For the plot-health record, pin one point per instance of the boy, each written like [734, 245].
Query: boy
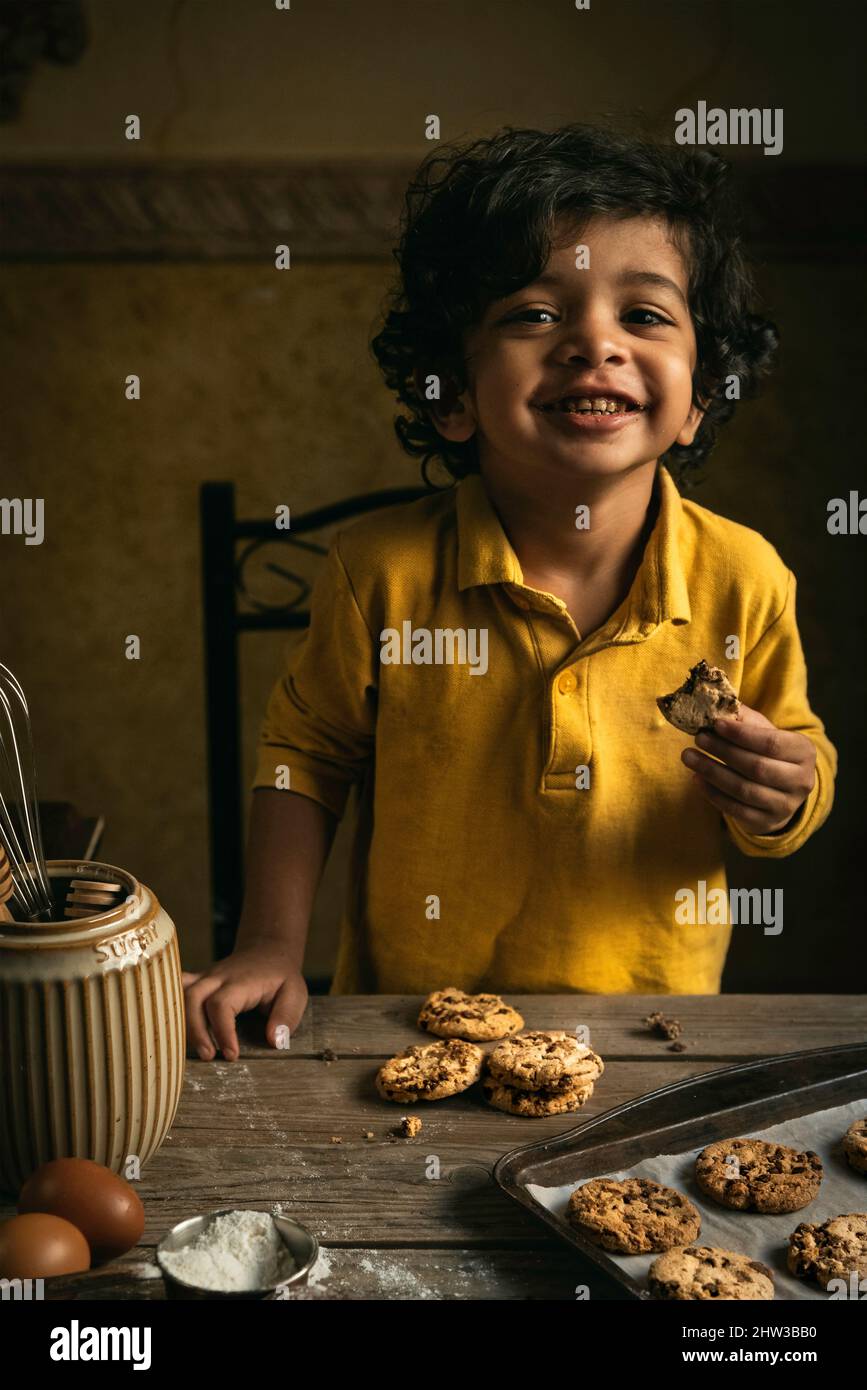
[570, 329]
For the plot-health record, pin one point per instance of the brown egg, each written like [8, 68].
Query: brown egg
[36, 1246]
[102, 1205]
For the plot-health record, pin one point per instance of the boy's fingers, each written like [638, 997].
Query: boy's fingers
[740, 789]
[222, 1009]
[750, 816]
[757, 734]
[768, 772]
[198, 1033]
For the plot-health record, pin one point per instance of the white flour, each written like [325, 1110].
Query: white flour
[234, 1254]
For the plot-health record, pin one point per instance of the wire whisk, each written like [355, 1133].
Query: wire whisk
[20, 831]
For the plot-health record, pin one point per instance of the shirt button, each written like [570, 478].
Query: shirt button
[566, 683]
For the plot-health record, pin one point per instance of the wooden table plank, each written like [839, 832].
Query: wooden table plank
[731, 1026]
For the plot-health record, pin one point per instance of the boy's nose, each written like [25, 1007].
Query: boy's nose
[593, 342]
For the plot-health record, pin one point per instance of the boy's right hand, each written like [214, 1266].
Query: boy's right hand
[254, 976]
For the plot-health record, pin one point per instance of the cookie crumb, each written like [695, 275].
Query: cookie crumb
[409, 1126]
[368, 1134]
[335, 1139]
[330, 1056]
[664, 1027]
[677, 1047]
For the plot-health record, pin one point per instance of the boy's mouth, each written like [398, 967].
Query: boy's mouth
[593, 405]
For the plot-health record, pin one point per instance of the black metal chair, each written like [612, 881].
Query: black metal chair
[223, 587]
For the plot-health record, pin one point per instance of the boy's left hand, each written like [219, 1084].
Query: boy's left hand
[766, 773]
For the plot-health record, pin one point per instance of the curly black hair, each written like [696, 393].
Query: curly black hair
[482, 227]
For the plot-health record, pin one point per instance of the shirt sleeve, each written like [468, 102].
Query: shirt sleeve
[775, 683]
[321, 716]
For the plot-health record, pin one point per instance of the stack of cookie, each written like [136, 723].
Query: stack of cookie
[540, 1073]
[446, 1068]
[532, 1074]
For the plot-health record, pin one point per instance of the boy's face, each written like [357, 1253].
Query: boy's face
[619, 328]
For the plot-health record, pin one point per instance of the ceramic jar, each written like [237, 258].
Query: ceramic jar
[92, 1036]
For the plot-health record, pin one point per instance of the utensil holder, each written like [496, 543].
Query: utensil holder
[92, 1031]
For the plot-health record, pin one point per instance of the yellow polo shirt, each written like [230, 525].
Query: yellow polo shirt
[477, 859]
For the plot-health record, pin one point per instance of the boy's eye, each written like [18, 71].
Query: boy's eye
[522, 314]
[648, 317]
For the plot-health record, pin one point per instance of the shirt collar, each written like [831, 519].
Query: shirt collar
[659, 592]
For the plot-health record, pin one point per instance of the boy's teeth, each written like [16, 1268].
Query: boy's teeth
[597, 405]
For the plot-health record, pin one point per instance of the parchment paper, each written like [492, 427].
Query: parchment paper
[764, 1238]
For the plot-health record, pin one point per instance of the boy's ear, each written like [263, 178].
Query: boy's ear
[690, 425]
[453, 418]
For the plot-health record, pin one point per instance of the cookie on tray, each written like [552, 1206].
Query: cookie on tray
[551, 1060]
[768, 1177]
[855, 1145]
[516, 1101]
[829, 1249]
[706, 1272]
[431, 1072]
[633, 1216]
[450, 1013]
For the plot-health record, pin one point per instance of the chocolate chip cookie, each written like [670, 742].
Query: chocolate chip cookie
[765, 1177]
[431, 1072]
[706, 694]
[516, 1101]
[831, 1250]
[704, 1271]
[634, 1216]
[855, 1145]
[450, 1013]
[552, 1061]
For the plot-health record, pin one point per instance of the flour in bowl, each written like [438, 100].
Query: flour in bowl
[237, 1253]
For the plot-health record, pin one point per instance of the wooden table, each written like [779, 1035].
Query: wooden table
[262, 1131]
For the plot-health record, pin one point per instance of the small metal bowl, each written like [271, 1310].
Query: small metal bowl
[301, 1243]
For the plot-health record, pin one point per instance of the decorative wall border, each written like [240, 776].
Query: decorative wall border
[335, 209]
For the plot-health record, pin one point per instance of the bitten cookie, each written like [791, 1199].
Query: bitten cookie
[515, 1101]
[553, 1061]
[634, 1216]
[768, 1177]
[706, 693]
[450, 1013]
[431, 1072]
[831, 1250]
[703, 1271]
[855, 1145]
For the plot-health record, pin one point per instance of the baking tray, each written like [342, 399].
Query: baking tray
[674, 1119]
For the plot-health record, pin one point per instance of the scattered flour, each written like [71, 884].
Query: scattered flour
[143, 1271]
[394, 1278]
[236, 1253]
[321, 1270]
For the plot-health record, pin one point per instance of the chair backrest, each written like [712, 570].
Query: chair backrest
[224, 597]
